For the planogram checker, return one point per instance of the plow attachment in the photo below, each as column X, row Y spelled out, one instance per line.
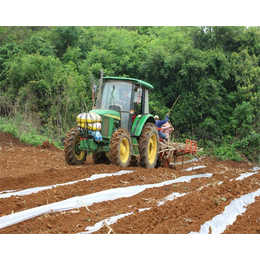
column 168, row 150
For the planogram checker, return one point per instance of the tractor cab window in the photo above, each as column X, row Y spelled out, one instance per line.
column 137, row 101
column 116, row 94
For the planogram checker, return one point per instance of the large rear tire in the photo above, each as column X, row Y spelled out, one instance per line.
column 120, row 148
column 73, row 154
column 148, row 145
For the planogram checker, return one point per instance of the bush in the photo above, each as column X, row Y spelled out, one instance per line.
column 227, row 152
column 8, row 127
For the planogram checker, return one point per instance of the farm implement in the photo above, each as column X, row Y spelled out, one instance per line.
column 171, row 150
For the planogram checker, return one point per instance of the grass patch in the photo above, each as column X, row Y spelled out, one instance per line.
column 25, row 131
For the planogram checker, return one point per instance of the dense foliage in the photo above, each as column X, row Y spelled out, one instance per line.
column 46, row 74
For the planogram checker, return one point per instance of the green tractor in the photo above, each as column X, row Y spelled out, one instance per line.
column 119, row 130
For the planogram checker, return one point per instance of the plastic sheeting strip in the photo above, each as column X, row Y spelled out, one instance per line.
column 37, row 189
column 237, row 206
column 110, row 221
column 192, row 160
column 194, row 168
column 171, row 197
column 245, row 175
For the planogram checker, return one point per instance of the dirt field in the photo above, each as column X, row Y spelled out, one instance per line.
column 140, row 201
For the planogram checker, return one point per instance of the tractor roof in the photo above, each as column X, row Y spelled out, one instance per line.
column 143, row 83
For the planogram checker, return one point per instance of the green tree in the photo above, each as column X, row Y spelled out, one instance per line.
column 64, row 36
column 38, row 44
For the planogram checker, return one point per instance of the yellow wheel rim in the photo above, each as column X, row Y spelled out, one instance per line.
column 152, row 149
column 124, row 150
column 78, row 153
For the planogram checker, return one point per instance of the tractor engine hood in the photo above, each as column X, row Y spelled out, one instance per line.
column 107, row 112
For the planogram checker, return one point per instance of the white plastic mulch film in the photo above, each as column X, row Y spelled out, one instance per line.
column 100, row 224
column 219, row 223
column 10, row 193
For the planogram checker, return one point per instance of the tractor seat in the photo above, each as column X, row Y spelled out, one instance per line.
column 115, row 107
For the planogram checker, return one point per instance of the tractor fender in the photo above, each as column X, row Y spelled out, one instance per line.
column 139, row 123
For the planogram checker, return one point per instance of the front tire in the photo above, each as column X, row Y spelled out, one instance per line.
column 73, row 154
column 120, row 148
column 148, row 145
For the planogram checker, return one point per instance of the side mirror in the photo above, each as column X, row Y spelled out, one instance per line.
column 94, row 88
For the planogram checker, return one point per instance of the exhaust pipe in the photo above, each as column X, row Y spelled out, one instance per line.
column 100, row 89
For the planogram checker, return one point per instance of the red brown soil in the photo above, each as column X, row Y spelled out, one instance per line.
column 23, row 166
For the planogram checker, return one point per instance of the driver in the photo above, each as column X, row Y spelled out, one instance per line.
column 125, row 99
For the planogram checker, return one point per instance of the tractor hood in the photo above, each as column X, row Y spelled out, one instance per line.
column 107, row 112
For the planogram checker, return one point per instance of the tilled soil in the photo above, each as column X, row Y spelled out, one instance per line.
column 149, row 212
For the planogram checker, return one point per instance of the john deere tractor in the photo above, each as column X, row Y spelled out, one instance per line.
column 119, row 130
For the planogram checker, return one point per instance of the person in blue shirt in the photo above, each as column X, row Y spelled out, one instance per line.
column 159, row 124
